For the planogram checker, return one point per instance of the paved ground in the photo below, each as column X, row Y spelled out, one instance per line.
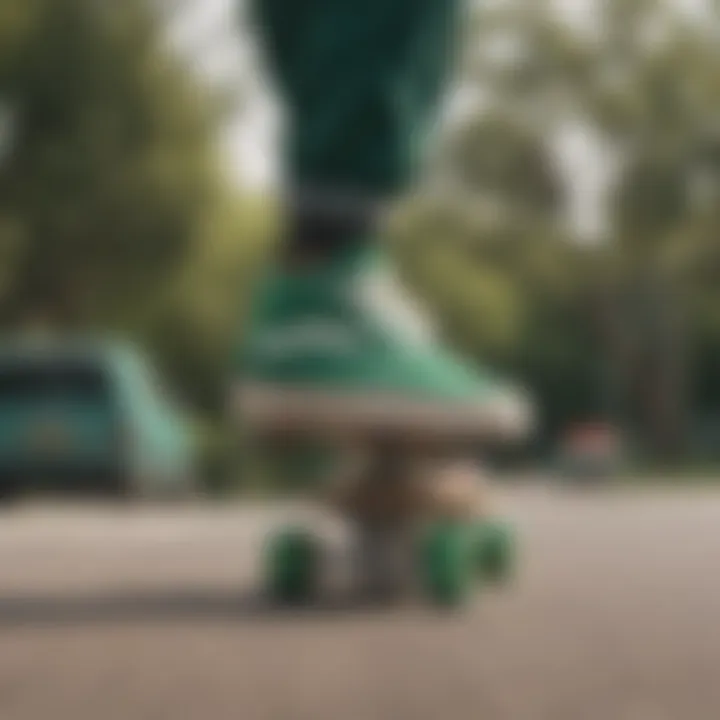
column 144, row 615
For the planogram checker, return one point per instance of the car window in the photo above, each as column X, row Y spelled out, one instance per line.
column 50, row 381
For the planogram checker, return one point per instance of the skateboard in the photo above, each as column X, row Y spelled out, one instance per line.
column 421, row 527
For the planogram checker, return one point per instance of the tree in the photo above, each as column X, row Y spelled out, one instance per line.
column 111, row 172
column 643, row 80
column 196, row 321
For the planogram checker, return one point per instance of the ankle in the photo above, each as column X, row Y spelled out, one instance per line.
column 321, row 228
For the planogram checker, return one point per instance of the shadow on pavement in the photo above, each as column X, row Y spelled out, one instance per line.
column 180, row 606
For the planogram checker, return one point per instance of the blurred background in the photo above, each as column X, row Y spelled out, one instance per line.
column 566, row 231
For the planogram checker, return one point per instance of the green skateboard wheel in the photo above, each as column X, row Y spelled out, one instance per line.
column 447, row 564
column 496, row 551
column 292, row 566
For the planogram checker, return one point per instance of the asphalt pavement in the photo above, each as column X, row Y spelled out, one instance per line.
column 150, row 613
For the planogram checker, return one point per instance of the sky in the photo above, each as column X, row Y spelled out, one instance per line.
column 216, row 35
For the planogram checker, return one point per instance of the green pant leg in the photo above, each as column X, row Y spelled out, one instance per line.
column 361, row 81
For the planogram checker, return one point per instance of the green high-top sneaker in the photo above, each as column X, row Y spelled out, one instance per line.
column 338, row 349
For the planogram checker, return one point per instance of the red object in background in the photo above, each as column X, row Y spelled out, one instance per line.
column 592, row 438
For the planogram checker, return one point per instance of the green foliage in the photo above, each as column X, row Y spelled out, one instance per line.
column 192, row 326
column 111, row 167
column 504, row 159
column 627, row 330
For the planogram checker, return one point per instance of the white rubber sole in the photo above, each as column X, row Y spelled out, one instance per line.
column 270, row 408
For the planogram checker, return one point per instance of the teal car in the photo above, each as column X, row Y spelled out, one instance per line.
column 89, row 418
